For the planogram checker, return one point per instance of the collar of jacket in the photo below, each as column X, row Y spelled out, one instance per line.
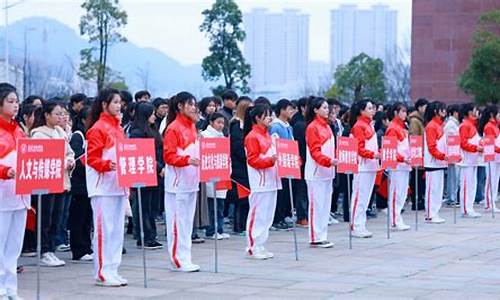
column 493, row 122
column 399, row 122
column 322, row 121
column 438, row 120
column 365, row 119
column 184, row 120
column 260, row 128
column 214, row 132
column 9, row 126
column 471, row 120
column 106, row 117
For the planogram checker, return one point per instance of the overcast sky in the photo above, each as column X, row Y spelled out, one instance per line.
column 172, row 25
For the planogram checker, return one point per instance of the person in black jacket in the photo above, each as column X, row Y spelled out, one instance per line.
column 144, row 126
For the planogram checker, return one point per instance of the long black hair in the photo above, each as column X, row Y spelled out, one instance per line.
column 251, row 115
column 314, row 103
column 432, row 110
column 356, row 109
column 465, row 109
column 489, row 112
column 104, row 96
column 143, row 112
column 181, row 98
column 81, row 121
column 204, row 104
column 47, row 108
column 395, row 108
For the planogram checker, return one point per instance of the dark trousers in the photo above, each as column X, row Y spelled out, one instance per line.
column 80, row 226
column 241, row 208
column 300, row 198
column 148, row 219
column 210, row 230
column 335, row 194
column 421, row 188
column 62, row 227
column 343, row 189
column 158, row 204
column 283, row 208
column 52, row 210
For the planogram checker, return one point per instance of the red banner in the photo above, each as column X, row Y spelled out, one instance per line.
column 347, row 155
column 215, row 159
column 136, row 162
column 453, row 149
column 40, row 166
column 489, row 148
column 288, row 158
column 389, row 153
column 416, row 151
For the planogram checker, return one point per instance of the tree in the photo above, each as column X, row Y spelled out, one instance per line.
column 397, row 71
column 222, row 25
column 362, row 77
column 101, row 24
column 482, row 77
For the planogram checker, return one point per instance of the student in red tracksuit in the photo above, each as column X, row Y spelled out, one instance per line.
column 13, row 208
column 182, row 178
column 108, row 200
column 319, row 171
column 399, row 178
column 368, row 154
column 470, row 143
column 488, row 126
column 435, row 160
column 263, row 178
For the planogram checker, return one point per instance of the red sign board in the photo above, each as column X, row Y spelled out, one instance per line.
column 416, row 151
column 40, row 166
column 489, row 148
column 288, row 158
column 389, row 153
column 215, row 159
column 347, row 155
column 453, row 149
column 136, row 162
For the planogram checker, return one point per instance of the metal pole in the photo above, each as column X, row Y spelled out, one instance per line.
column 293, row 219
column 216, row 254
column 38, row 243
column 454, row 204
column 416, row 198
column 141, row 225
column 389, row 209
column 492, row 200
column 350, row 213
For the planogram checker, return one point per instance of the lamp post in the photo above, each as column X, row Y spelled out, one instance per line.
column 6, row 8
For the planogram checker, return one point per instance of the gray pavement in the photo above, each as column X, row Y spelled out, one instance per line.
column 447, row 261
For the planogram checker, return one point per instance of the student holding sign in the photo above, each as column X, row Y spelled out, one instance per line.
column 488, row 126
column 435, row 160
column 182, row 178
column 263, row 177
column 399, row 178
column 470, row 144
column 108, row 200
column 319, row 171
column 12, row 206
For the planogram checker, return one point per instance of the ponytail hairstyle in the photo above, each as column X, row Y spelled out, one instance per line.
column 314, row 103
column 489, row 112
column 395, row 108
column 25, row 110
column 356, row 109
column 104, row 96
column 181, row 98
column 465, row 109
column 432, row 110
column 46, row 108
column 251, row 115
column 143, row 112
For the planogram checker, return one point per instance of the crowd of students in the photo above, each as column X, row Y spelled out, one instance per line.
column 93, row 209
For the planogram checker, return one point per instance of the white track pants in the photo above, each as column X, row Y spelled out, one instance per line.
column 260, row 218
column 109, row 223
column 468, row 187
column 492, row 185
column 398, row 191
column 12, row 225
column 362, row 188
column 179, row 210
column 434, row 187
column 320, row 202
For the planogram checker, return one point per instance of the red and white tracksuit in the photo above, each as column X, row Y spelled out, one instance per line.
column 491, row 129
column 399, row 178
column 319, row 173
column 181, row 187
column 435, row 164
column 471, row 159
column 108, row 200
column 12, row 209
column 363, row 182
column 264, row 186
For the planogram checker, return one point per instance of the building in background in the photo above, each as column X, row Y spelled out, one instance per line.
column 16, row 77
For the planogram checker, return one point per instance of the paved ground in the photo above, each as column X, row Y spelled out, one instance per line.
column 449, row 261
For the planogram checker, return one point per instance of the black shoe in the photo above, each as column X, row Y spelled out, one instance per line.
column 153, row 245
column 197, row 240
column 283, row 226
column 124, row 251
column 371, row 213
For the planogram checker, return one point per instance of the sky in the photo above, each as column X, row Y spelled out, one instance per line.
column 172, row 26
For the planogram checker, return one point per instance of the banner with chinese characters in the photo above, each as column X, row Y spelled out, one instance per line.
column 347, row 155
column 288, row 158
column 416, row 151
column 40, row 166
column 136, row 162
column 215, row 159
column 389, row 153
column 453, row 149
column 489, row 148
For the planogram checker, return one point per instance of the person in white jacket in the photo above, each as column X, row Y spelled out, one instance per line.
column 451, row 129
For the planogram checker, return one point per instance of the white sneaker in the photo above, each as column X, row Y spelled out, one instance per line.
column 225, row 236
column 121, row 280
column 112, row 282
column 332, row 220
column 28, row 254
column 363, row 234
column 63, row 248
column 56, row 259
column 258, row 254
column 401, row 227
column 87, row 257
column 268, row 254
column 323, row 244
column 489, row 210
column 436, row 220
column 189, row 267
column 212, row 237
column 48, row 261
column 471, row 215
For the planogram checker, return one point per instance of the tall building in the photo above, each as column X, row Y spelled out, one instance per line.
column 353, row 31
column 276, row 47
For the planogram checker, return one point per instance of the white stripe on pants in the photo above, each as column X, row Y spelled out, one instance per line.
column 179, row 209
column 362, row 188
column 468, row 187
column 492, row 185
column 398, row 191
column 12, row 225
column 109, row 223
column 260, row 218
column 320, row 202
column 434, row 187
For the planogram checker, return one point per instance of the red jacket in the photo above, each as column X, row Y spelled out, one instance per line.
column 397, row 129
column 9, row 133
column 317, row 134
column 468, row 130
column 433, row 132
column 363, row 131
column 179, row 134
column 491, row 129
column 257, row 143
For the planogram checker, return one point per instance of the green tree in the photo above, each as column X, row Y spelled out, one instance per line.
column 101, row 24
column 362, row 77
column 482, row 77
column 222, row 25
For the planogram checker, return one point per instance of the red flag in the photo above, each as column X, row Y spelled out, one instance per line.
column 243, row 192
column 223, row 185
column 31, row 220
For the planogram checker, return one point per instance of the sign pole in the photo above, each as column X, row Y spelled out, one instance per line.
column 293, row 219
column 38, row 243
column 416, row 198
column 389, row 209
column 351, row 221
column 492, row 200
column 454, row 204
column 141, row 226
column 216, row 229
